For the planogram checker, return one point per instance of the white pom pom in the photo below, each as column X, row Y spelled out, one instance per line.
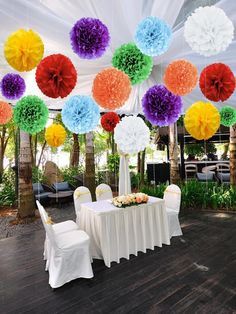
column 131, row 135
column 208, row 31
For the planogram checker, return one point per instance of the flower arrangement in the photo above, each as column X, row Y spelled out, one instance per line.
column 130, row 199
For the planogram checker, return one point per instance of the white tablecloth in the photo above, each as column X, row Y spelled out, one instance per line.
column 118, row 232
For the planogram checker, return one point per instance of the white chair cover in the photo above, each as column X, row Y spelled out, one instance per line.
column 81, row 195
column 68, row 254
column 172, row 198
column 103, row 192
column 124, row 175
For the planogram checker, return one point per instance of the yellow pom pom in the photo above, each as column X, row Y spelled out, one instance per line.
column 202, row 120
column 23, row 50
column 55, row 135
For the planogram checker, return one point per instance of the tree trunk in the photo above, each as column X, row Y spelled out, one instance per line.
column 139, row 162
column 4, row 137
column 74, row 157
column 233, row 156
column 142, row 167
column 26, row 204
column 89, row 179
column 173, row 149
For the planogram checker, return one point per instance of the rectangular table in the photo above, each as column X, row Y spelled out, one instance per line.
column 118, row 232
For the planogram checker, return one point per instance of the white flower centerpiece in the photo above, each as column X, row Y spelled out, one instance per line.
column 130, row 199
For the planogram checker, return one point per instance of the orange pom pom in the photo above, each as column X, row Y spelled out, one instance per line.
column 111, row 88
column 181, row 77
column 5, row 112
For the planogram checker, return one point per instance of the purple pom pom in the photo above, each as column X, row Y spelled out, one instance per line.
column 12, row 86
column 89, row 38
column 160, row 106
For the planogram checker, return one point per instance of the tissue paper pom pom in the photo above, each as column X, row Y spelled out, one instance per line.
column 131, row 135
column 160, row 106
column 153, row 36
column 89, row 38
column 208, row 31
column 111, row 88
column 227, row 116
column 202, row 120
column 5, row 112
column 217, row 82
column 12, row 86
column 181, row 77
column 80, row 114
column 55, row 135
column 31, row 114
column 109, row 121
column 129, row 59
column 56, row 76
column 23, row 50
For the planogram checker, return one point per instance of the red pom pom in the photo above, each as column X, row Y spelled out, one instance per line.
column 217, row 82
column 56, row 76
column 109, row 121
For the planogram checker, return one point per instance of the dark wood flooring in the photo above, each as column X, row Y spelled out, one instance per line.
column 196, row 274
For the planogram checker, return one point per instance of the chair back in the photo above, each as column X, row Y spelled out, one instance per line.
column 81, row 195
column 172, row 197
column 47, row 226
column 103, row 192
column 190, row 171
column 222, row 167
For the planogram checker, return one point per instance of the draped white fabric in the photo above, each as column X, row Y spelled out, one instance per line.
column 54, row 19
column 118, row 232
column 124, row 175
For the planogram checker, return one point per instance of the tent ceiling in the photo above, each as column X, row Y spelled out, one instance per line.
column 53, row 19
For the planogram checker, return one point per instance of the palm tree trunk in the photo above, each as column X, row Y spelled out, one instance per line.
column 233, row 156
column 89, row 179
column 26, row 204
column 173, row 150
column 74, row 158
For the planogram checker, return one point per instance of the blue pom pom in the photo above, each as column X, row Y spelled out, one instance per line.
column 80, row 114
column 153, row 36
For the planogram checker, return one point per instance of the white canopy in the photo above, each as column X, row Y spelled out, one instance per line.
column 53, row 20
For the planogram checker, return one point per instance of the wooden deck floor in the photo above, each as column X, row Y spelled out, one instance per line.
column 196, row 274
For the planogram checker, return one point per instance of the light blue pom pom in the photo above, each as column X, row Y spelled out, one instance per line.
column 80, row 114
column 153, row 36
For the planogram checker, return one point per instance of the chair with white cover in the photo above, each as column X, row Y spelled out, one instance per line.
column 81, row 195
column 60, row 227
column 68, row 254
column 172, row 198
column 103, row 192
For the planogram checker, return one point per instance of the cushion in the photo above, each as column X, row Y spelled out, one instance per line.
column 43, row 195
column 208, row 176
column 61, row 186
column 38, row 188
column 224, row 177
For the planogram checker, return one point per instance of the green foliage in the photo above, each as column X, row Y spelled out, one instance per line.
column 37, row 175
column 69, row 172
column 135, row 180
column 200, row 195
column 199, row 149
column 113, row 163
column 7, row 188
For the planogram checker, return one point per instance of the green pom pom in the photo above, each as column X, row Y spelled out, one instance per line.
column 129, row 59
column 227, row 116
column 31, row 114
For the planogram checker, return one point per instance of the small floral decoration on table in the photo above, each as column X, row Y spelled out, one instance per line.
column 130, row 199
